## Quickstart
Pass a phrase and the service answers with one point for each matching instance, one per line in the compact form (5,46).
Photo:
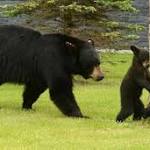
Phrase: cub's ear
(135,49)
(69,44)
(91,42)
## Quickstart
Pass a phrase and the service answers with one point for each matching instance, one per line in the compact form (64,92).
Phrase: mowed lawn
(46,128)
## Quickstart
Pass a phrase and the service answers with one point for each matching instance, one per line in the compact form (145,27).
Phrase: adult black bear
(46,61)
(132,85)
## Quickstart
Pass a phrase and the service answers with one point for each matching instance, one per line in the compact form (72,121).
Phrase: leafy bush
(125,5)
(86,12)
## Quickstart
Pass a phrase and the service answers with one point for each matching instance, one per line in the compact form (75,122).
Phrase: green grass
(45,128)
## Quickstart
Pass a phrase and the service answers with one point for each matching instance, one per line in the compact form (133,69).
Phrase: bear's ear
(135,49)
(69,44)
(71,48)
(91,42)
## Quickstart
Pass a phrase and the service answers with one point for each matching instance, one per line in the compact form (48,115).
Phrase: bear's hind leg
(138,110)
(123,114)
(127,109)
(31,94)
(146,112)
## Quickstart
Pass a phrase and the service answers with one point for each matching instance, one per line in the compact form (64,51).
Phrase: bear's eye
(98,63)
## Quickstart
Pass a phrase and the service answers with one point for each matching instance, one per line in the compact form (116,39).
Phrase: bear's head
(88,61)
(141,59)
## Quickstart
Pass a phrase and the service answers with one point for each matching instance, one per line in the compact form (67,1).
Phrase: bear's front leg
(142,82)
(65,101)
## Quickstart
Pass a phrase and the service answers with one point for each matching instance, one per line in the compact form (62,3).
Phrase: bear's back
(13,30)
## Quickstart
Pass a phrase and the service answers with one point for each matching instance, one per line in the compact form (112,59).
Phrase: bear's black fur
(132,85)
(147,111)
(46,61)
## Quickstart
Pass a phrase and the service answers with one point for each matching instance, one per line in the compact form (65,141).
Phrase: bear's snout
(97,74)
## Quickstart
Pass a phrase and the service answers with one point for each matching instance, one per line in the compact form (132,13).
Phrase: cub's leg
(138,110)
(127,109)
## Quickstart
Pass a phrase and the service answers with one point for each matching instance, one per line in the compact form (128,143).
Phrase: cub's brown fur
(132,85)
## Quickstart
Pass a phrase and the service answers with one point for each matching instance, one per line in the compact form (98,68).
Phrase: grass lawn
(45,128)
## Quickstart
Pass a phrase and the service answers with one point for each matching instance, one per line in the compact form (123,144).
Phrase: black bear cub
(132,85)
(41,61)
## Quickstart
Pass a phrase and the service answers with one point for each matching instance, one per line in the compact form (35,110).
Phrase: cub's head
(142,57)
